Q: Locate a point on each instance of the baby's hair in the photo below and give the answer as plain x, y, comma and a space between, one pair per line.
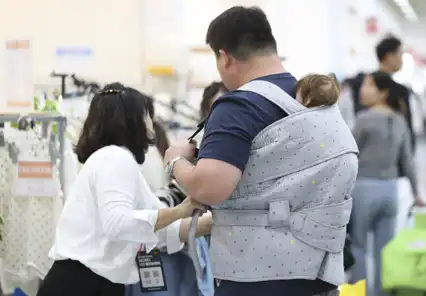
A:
318, 90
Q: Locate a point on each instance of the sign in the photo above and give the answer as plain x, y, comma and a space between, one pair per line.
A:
73, 59
371, 25
418, 58
18, 93
35, 178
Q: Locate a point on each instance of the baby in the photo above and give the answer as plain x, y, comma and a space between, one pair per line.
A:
315, 90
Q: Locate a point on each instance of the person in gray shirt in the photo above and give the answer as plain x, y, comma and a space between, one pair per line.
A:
383, 139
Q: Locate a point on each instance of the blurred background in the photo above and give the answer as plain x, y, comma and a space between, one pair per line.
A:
64, 50
109, 40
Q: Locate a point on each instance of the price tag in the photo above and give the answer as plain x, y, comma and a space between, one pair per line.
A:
35, 178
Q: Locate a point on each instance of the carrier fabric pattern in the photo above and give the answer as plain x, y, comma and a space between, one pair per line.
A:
287, 218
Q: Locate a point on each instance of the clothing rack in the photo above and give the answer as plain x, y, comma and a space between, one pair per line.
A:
173, 106
45, 118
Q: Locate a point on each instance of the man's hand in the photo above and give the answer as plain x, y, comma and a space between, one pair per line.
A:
186, 150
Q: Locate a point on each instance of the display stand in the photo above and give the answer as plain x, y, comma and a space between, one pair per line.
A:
45, 118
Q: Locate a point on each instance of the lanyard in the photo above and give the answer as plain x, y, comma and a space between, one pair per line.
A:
200, 127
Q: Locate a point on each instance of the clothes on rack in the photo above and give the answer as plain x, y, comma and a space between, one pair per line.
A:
29, 221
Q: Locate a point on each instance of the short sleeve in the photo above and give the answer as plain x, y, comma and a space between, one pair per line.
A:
229, 132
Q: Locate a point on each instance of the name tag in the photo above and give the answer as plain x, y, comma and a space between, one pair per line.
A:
151, 271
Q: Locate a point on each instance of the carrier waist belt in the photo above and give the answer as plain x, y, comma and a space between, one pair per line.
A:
322, 227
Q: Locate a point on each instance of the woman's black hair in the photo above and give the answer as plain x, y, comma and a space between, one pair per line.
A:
209, 93
384, 82
116, 117
161, 140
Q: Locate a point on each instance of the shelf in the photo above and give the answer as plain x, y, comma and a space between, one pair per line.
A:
37, 116
201, 49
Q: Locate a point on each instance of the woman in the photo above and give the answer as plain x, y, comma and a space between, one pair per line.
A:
110, 213
384, 145
153, 167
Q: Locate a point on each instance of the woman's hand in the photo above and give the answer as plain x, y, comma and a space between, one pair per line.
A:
187, 207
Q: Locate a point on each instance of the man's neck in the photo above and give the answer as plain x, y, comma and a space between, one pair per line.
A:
260, 66
385, 68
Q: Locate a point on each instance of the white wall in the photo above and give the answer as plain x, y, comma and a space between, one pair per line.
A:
126, 36
112, 29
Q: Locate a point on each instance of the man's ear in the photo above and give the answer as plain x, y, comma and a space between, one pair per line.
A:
226, 58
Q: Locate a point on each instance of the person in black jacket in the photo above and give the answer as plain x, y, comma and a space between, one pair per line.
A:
389, 53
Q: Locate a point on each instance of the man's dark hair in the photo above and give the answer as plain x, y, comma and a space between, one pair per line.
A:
241, 32
208, 94
116, 117
394, 99
387, 45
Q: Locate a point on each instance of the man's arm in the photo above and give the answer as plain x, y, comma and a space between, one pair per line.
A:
223, 154
210, 182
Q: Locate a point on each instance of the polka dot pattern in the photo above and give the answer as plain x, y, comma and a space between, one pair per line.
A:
29, 222
287, 218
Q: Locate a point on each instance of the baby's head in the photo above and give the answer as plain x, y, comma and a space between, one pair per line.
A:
315, 90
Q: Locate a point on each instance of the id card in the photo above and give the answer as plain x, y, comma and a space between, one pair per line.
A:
151, 272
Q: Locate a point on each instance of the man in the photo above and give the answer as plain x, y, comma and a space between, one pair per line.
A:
264, 240
389, 54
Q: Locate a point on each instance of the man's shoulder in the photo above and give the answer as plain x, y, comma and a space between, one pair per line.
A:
285, 81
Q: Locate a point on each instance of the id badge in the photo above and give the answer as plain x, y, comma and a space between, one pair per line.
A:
151, 271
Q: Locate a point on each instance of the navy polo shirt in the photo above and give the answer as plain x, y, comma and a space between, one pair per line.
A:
234, 121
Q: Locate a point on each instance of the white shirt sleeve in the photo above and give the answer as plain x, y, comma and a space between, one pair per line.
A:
117, 184
168, 236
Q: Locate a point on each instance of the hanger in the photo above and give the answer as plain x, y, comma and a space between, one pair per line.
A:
173, 107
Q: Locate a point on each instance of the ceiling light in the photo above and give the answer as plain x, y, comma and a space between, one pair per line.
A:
407, 10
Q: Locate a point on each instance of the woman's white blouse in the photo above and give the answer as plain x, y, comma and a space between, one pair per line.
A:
109, 212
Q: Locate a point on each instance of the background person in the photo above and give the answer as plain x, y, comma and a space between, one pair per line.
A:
210, 94
389, 54
383, 139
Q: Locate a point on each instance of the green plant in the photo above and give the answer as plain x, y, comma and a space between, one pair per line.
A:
49, 106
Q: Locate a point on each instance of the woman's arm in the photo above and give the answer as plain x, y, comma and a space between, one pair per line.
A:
116, 185
406, 162
204, 226
174, 235
358, 131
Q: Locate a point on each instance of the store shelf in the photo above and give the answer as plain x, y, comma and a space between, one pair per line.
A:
44, 117
37, 116
201, 49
